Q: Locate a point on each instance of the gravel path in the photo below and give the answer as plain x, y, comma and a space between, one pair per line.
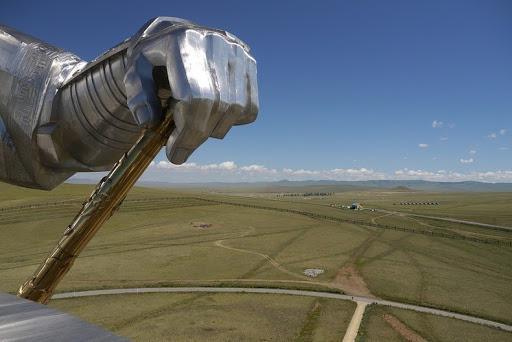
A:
355, 323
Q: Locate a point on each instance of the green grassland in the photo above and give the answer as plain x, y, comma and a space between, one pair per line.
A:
214, 317
376, 327
155, 240
490, 207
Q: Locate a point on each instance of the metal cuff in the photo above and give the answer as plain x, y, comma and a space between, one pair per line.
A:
30, 74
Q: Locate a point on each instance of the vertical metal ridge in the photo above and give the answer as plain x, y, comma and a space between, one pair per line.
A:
103, 112
106, 78
81, 115
98, 96
119, 88
118, 110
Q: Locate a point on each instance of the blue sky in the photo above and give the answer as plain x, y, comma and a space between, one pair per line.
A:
373, 89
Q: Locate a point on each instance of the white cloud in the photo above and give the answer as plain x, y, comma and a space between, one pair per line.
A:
472, 152
503, 148
229, 171
503, 131
422, 145
227, 165
164, 164
257, 169
492, 135
437, 124
443, 138
302, 172
453, 176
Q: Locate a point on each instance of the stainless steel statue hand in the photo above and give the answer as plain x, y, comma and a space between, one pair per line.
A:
60, 115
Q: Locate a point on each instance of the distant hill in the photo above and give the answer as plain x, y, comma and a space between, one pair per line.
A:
328, 186
340, 186
402, 188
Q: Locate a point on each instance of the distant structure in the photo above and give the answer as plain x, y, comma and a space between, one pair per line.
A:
313, 272
306, 194
417, 203
356, 206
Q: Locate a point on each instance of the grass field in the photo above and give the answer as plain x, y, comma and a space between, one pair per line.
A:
490, 207
156, 240
214, 317
391, 324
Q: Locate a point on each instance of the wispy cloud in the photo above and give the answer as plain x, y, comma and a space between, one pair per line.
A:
444, 176
422, 145
254, 168
473, 152
229, 171
503, 131
437, 124
466, 161
224, 166
443, 138
492, 135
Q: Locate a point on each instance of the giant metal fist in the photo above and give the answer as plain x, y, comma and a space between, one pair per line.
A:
62, 115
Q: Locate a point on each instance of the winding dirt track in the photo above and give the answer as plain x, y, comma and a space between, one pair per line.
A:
320, 294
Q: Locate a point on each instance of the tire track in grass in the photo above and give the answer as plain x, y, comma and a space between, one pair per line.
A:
390, 250
311, 322
373, 219
461, 263
406, 332
275, 253
274, 263
421, 288
159, 311
348, 277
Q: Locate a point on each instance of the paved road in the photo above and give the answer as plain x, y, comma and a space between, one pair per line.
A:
448, 219
366, 300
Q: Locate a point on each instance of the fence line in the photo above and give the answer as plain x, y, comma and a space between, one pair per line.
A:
285, 210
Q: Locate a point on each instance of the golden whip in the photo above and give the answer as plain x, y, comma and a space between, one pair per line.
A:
103, 202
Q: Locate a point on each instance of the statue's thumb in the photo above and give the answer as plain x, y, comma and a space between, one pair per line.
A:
141, 91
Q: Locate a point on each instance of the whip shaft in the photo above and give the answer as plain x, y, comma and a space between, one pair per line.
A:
103, 202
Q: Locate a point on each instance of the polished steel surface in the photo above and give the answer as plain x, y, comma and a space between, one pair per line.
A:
62, 115
101, 205
31, 72
23, 320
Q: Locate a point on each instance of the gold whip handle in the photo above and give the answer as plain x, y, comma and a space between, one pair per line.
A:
103, 202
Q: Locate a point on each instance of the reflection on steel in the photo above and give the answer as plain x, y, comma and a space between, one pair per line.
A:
62, 115
23, 320
103, 202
